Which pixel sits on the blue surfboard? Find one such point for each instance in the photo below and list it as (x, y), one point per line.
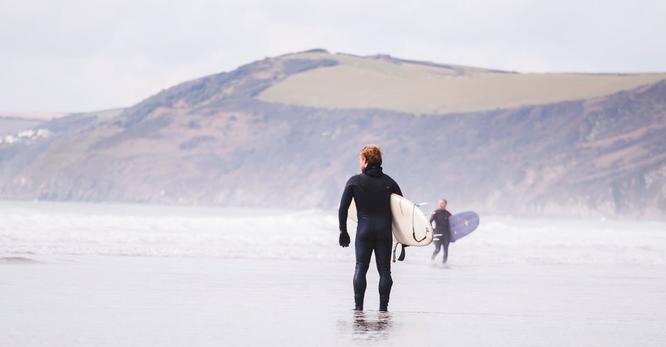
(462, 224)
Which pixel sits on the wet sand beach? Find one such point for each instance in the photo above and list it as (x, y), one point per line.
(83, 286)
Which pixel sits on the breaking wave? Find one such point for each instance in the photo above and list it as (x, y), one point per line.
(44, 229)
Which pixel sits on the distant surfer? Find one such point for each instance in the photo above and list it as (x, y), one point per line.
(371, 191)
(442, 231)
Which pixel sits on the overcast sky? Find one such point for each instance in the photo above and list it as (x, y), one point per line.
(71, 55)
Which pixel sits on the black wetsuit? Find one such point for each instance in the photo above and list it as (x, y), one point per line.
(371, 191)
(441, 218)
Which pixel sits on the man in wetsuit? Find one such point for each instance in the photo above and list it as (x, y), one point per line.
(442, 232)
(371, 191)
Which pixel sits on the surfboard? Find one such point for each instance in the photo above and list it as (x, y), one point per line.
(462, 224)
(410, 225)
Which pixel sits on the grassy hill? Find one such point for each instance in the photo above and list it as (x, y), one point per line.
(388, 83)
(286, 132)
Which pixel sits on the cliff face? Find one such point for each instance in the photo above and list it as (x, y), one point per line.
(214, 140)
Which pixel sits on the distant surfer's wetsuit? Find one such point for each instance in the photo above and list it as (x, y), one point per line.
(371, 191)
(442, 232)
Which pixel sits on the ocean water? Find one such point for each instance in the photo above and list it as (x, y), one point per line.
(44, 229)
(103, 274)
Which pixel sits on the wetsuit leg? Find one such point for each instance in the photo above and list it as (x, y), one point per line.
(445, 244)
(364, 246)
(383, 259)
(438, 246)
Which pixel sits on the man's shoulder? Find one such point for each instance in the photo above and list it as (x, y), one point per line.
(388, 178)
(353, 180)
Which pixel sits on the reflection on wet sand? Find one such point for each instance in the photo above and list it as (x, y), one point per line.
(368, 328)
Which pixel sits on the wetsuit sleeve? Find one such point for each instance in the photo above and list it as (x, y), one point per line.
(347, 196)
(432, 217)
(396, 188)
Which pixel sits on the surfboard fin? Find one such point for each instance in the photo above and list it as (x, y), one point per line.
(401, 257)
(402, 253)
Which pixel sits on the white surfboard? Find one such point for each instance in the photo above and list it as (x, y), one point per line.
(410, 225)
